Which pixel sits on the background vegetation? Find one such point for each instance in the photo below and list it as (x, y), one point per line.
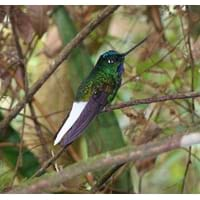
(32, 37)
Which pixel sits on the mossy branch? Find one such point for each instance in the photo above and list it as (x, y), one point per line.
(46, 182)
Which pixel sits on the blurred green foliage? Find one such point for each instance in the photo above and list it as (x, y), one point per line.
(28, 162)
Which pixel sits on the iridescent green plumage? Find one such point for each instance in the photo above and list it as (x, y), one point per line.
(106, 77)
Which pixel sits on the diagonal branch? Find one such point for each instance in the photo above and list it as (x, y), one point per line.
(117, 157)
(60, 58)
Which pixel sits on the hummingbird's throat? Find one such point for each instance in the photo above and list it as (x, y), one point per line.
(120, 69)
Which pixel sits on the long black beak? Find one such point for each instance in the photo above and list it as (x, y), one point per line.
(131, 49)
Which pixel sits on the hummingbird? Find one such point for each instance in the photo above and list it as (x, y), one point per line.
(94, 93)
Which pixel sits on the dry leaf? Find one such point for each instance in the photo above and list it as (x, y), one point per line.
(23, 24)
(53, 43)
(4, 76)
(38, 17)
(154, 13)
(2, 13)
(3, 71)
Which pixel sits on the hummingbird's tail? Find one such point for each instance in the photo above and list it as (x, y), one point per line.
(95, 104)
(68, 122)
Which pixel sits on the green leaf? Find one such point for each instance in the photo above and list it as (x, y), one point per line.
(30, 163)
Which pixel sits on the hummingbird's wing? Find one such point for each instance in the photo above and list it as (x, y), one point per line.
(95, 104)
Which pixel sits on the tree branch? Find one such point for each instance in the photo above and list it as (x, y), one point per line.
(130, 153)
(152, 100)
(55, 64)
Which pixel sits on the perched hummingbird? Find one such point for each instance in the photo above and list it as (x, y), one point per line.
(95, 92)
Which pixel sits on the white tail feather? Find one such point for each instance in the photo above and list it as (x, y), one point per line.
(76, 110)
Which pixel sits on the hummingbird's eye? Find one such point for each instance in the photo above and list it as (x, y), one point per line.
(110, 61)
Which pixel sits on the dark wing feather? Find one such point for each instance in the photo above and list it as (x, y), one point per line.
(95, 104)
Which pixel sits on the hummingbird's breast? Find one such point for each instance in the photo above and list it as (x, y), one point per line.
(96, 82)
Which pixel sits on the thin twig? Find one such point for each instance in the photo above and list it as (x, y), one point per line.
(192, 66)
(189, 162)
(39, 133)
(25, 82)
(49, 162)
(104, 179)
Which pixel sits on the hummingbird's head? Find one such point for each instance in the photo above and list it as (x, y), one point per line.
(111, 60)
